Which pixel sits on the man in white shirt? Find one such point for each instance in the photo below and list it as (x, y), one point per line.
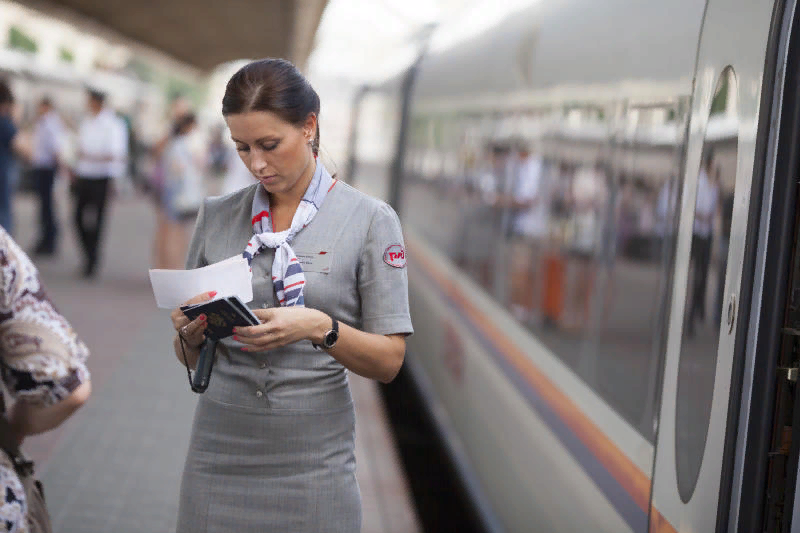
(101, 148)
(48, 137)
(706, 206)
(530, 203)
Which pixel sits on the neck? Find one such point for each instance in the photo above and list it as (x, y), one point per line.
(293, 196)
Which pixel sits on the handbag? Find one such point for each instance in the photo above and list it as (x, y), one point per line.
(37, 516)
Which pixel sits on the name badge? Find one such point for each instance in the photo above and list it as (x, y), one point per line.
(315, 261)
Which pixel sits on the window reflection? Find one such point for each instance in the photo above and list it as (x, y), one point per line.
(569, 228)
(713, 211)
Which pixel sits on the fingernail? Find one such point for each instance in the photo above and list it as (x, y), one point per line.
(235, 329)
(212, 294)
(202, 318)
(235, 338)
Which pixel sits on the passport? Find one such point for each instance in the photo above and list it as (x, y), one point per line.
(222, 316)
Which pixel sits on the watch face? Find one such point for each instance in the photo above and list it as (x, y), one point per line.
(330, 338)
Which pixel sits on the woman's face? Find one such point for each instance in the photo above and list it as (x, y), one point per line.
(277, 153)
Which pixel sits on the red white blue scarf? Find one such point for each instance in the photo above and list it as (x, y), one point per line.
(287, 273)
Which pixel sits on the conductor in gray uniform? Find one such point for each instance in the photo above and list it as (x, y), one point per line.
(272, 446)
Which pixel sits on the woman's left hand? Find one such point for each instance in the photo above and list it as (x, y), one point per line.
(281, 326)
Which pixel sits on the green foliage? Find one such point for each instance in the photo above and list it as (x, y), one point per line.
(21, 41)
(66, 55)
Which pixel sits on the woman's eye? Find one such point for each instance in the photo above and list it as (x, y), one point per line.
(269, 147)
(242, 148)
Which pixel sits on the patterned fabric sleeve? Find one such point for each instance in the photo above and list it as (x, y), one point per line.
(41, 360)
(41, 357)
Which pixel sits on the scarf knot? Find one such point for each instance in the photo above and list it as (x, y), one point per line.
(288, 278)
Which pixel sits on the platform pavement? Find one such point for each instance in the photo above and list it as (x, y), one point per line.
(116, 465)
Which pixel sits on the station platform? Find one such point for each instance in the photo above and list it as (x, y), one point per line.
(116, 465)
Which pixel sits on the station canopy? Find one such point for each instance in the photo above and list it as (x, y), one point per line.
(201, 34)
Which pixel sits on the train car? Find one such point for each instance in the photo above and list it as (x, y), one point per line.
(600, 206)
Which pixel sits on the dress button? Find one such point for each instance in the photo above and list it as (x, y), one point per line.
(264, 306)
(259, 393)
(263, 365)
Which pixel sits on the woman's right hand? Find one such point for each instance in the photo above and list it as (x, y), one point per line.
(191, 331)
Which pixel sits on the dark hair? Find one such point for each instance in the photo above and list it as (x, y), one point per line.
(97, 96)
(275, 86)
(46, 101)
(6, 96)
(183, 122)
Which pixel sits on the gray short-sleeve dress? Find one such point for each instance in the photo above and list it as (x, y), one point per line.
(273, 440)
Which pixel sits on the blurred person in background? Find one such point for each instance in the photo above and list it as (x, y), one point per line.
(589, 194)
(529, 204)
(44, 378)
(118, 169)
(8, 145)
(101, 148)
(706, 205)
(665, 211)
(183, 194)
(725, 221)
(48, 138)
(179, 107)
(219, 149)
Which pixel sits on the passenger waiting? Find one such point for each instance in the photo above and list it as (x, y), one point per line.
(183, 192)
(100, 146)
(48, 139)
(44, 373)
(530, 204)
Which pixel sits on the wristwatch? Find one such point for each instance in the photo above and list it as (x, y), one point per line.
(330, 338)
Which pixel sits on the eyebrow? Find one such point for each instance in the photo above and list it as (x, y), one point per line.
(262, 139)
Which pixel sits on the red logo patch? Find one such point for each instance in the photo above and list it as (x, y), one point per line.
(395, 256)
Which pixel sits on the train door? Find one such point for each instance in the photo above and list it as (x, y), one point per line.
(695, 424)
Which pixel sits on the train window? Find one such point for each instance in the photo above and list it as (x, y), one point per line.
(632, 266)
(708, 263)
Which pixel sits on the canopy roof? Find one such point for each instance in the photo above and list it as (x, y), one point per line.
(200, 33)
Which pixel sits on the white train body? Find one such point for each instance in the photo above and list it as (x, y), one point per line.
(608, 415)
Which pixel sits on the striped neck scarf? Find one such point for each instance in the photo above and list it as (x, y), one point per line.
(287, 273)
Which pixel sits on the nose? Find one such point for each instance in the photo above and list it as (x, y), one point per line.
(258, 162)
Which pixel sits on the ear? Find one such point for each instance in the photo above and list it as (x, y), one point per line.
(310, 126)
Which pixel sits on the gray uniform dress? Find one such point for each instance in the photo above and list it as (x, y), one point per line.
(273, 441)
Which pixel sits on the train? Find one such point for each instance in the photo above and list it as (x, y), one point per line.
(628, 360)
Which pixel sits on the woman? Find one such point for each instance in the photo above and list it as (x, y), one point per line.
(43, 371)
(182, 195)
(272, 446)
(156, 183)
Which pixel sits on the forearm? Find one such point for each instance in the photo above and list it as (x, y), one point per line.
(27, 419)
(367, 354)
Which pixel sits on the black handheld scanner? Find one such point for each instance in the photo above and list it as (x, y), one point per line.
(205, 362)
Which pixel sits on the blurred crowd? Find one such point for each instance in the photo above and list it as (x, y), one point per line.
(101, 157)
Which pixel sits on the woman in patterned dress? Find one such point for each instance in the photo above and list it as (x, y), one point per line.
(42, 366)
